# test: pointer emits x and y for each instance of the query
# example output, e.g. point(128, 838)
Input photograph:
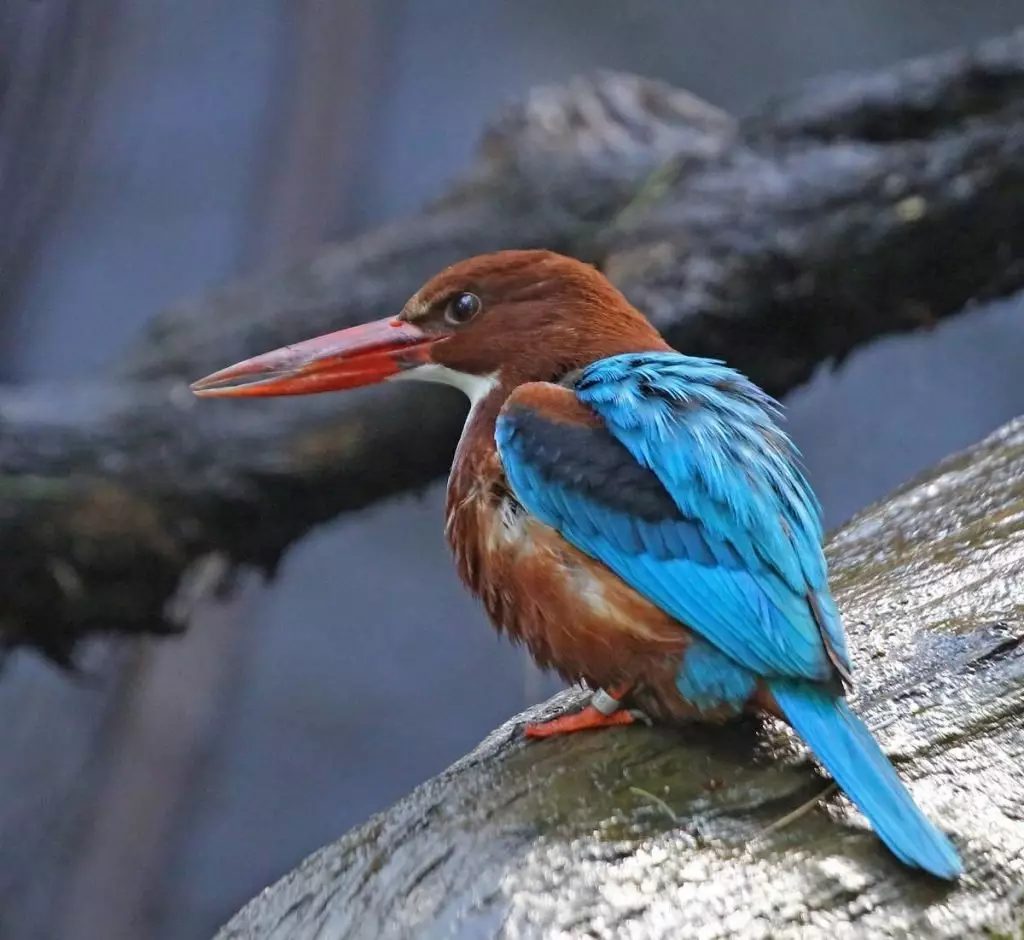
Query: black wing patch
point(591, 462)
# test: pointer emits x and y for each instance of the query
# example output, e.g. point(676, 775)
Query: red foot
point(589, 718)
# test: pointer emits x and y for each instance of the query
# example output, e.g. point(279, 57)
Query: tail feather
point(841, 741)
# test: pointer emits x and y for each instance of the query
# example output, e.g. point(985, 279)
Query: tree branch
point(863, 207)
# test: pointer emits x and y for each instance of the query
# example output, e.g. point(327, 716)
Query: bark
point(666, 833)
point(864, 206)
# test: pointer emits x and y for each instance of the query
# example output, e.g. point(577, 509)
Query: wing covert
point(618, 467)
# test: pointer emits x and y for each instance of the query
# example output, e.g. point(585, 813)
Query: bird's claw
point(604, 711)
point(586, 720)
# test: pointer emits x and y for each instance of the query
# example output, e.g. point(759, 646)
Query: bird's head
point(503, 318)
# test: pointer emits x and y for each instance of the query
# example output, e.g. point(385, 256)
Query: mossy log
point(697, 832)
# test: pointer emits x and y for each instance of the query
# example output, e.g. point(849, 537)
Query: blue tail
point(841, 741)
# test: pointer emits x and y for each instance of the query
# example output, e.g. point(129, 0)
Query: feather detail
point(570, 610)
point(844, 745)
point(652, 489)
point(712, 438)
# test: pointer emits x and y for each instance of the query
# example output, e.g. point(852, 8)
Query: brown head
point(504, 318)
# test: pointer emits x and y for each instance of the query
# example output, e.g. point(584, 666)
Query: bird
point(633, 515)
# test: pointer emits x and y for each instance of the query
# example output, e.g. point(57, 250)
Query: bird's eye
point(462, 308)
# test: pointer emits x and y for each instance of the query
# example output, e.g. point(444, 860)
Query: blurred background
point(150, 149)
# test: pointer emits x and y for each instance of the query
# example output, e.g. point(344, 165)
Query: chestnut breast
point(571, 611)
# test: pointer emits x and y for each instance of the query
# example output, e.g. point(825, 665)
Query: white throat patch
point(474, 387)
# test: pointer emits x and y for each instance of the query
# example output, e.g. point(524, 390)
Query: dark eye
point(462, 308)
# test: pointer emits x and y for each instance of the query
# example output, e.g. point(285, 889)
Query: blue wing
point(672, 471)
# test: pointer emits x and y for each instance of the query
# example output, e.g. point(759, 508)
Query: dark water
point(367, 668)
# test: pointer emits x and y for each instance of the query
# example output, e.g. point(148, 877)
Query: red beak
point(362, 355)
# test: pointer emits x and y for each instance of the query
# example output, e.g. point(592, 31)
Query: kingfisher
point(634, 516)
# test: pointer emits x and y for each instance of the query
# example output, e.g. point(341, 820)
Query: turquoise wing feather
point(687, 490)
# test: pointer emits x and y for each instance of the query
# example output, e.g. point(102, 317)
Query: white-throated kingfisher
point(633, 515)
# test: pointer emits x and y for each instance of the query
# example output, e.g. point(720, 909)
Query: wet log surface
point(667, 833)
point(779, 243)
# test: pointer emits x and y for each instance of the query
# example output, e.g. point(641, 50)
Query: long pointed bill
point(362, 355)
